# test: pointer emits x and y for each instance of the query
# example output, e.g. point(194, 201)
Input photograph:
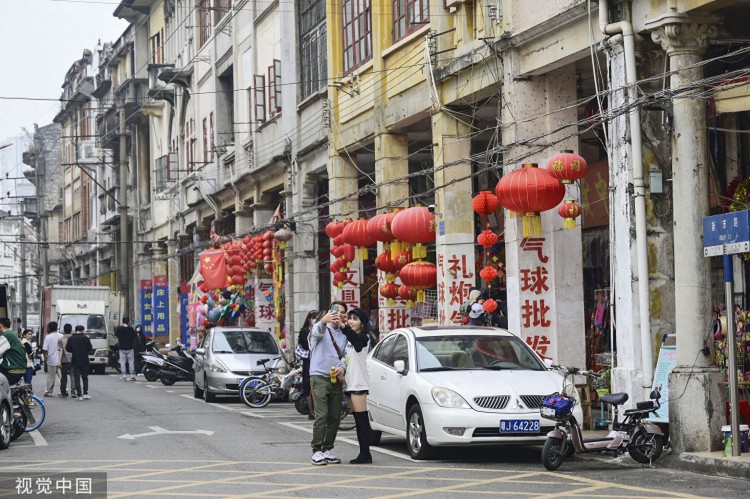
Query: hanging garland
point(739, 193)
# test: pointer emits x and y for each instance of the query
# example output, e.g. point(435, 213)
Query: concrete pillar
point(696, 402)
point(343, 184)
point(243, 220)
point(544, 274)
point(302, 255)
point(173, 273)
point(454, 217)
point(391, 170)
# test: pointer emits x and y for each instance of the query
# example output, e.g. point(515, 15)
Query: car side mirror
point(400, 367)
point(200, 351)
point(548, 363)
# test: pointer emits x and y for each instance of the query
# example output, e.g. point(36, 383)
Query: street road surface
point(183, 447)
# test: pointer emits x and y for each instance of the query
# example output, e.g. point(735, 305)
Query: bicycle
point(257, 391)
point(28, 410)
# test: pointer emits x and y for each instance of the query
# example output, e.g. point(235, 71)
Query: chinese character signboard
point(536, 296)
point(349, 292)
point(184, 326)
point(391, 317)
point(161, 305)
point(456, 276)
point(146, 307)
point(264, 312)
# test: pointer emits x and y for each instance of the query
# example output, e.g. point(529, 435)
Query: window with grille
point(409, 16)
point(221, 9)
point(313, 56)
point(357, 19)
point(204, 21)
point(161, 173)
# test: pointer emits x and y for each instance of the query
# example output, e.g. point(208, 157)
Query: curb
point(707, 465)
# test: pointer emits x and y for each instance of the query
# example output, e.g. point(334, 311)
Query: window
point(384, 351)
point(274, 88)
point(161, 173)
point(357, 33)
point(409, 16)
point(157, 49)
point(204, 21)
point(211, 135)
point(260, 98)
point(190, 139)
point(312, 46)
point(205, 141)
point(221, 8)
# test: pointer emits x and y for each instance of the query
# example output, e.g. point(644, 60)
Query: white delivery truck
point(87, 306)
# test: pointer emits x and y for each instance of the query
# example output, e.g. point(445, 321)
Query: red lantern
point(403, 258)
point(487, 238)
point(530, 190)
point(379, 228)
point(419, 275)
point(356, 233)
point(334, 229)
point(567, 167)
point(485, 203)
point(385, 263)
point(408, 294)
point(238, 279)
point(339, 240)
point(389, 290)
point(569, 210)
point(489, 305)
point(416, 226)
point(347, 252)
point(489, 274)
point(283, 235)
point(339, 278)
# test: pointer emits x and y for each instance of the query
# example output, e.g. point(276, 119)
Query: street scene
point(370, 247)
point(131, 433)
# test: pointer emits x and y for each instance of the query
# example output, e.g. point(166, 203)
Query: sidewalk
point(711, 463)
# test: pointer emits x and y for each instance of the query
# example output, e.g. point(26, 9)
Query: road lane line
point(38, 439)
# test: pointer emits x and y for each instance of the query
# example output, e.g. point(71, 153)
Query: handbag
point(302, 352)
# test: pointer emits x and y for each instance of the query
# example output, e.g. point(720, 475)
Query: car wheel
point(5, 421)
point(416, 435)
point(375, 436)
point(197, 392)
point(207, 395)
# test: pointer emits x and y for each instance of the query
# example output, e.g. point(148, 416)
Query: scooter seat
point(614, 398)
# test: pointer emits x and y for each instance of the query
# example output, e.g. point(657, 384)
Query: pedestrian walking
point(140, 347)
point(126, 338)
point(26, 337)
point(303, 351)
point(79, 346)
point(51, 349)
point(12, 352)
point(66, 370)
point(327, 370)
point(361, 339)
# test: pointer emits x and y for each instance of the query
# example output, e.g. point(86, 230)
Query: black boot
point(363, 437)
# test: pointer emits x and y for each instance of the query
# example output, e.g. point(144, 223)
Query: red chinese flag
point(214, 268)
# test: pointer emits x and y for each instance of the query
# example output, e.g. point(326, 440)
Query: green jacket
point(14, 356)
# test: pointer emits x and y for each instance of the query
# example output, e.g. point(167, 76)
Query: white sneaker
point(318, 459)
point(79, 398)
point(330, 457)
point(87, 396)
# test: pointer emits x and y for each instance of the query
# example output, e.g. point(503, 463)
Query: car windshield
point(469, 351)
point(244, 342)
point(94, 324)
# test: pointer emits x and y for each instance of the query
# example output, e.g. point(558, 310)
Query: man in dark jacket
point(127, 340)
point(80, 345)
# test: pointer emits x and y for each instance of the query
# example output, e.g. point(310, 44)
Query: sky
point(39, 41)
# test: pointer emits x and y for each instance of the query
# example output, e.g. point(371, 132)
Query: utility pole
point(124, 269)
point(22, 238)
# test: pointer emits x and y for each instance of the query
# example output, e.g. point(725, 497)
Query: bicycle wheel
point(255, 393)
point(347, 420)
point(38, 411)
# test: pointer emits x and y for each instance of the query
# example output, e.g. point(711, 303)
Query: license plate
point(548, 411)
point(519, 426)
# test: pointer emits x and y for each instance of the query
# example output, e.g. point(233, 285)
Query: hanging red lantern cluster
point(342, 251)
point(415, 226)
point(530, 191)
point(419, 276)
point(356, 234)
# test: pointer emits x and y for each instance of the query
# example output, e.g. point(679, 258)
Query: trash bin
point(744, 435)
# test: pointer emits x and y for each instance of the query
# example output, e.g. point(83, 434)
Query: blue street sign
point(726, 234)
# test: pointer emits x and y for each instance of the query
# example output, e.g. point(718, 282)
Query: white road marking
point(38, 439)
point(157, 430)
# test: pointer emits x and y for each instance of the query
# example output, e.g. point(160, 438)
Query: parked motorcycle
point(152, 362)
point(178, 366)
point(637, 436)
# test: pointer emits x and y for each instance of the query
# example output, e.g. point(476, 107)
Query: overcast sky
point(39, 41)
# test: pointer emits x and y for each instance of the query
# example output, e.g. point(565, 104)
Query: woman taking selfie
point(361, 339)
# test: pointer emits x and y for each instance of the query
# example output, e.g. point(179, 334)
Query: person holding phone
point(327, 369)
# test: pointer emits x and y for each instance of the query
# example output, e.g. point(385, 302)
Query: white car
point(458, 385)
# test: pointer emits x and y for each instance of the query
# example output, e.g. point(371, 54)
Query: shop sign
point(161, 305)
point(456, 277)
point(265, 318)
point(349, 293)
point(146, 307)
point(536, 296)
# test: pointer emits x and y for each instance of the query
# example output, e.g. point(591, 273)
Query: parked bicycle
point(637, 436)
point(258, 391)
point(28, 410)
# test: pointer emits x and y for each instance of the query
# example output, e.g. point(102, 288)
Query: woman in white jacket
point(360, 340)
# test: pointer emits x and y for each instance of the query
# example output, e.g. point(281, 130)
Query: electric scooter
point(637, 436)
point(152, 362)
point(177, 367)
